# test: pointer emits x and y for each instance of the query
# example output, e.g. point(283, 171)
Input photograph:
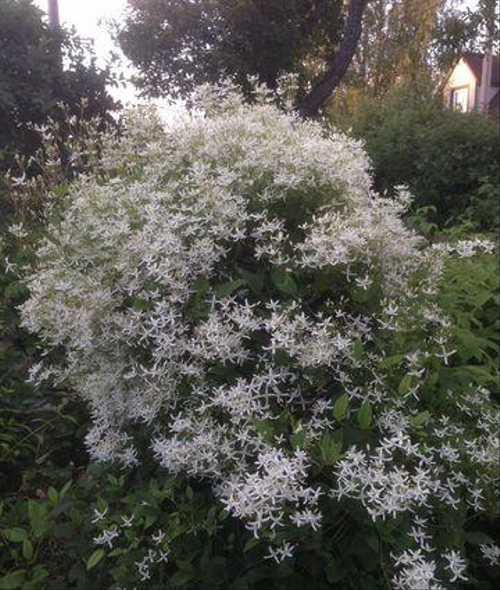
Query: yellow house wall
point(462, 76)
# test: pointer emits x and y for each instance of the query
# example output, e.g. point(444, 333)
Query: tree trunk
point(55, 27)
point(53, 12)
point(323, 89)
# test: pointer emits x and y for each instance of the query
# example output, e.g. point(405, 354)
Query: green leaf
point(27, 549)
point(117, 552)
point(298, 439)
point(266, 429)
point(140, 304)
point(181, 578)
point(284, 282)
point(392, 361)
point(76, 572)
point(365, 416)
point(150, 519)
point(16, 534)
point(13, 580)
point(65, 489)
point(330, 449)
point(228, 288)
point(333, 572)
point(358, 350)
point(405, 385)
point(421, 420)
point(254, 280)
point(341, 407)
point(95, 558)
point(250, 544)
point(38, 516)
point(201, 288)
point(223, 514)
point(53, 495)
point(477, 538)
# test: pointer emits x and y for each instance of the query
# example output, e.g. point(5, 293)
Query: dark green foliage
point(33, 82)
point(471, 297)
point(47, 540)
point(448, 159)
point(178, 44)
point(41, 448)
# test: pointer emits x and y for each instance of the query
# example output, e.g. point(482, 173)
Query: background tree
point(396, 43)
point(178, 44)
point(53, 13)
point(338, 63)
point(489, 14)
point(32, 82)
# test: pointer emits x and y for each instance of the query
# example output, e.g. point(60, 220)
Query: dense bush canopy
point(230, 296)
point(446, 158)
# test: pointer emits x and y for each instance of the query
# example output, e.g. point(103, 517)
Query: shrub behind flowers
point(447, 158)
point(234, 300)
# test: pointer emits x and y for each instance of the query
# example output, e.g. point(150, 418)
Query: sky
point(89, 17)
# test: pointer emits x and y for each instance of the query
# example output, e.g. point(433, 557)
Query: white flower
point(158, 537)
point(307, 518)
point(456, 565)
point(107, 537)
point(144, 568)
point(415, 572)
point(99, 515)
point(162, 556)
point(127, 522)
point(491, 553)
point(280, 553)
point(18, 231)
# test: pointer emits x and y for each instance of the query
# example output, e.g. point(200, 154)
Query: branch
point(322, 90)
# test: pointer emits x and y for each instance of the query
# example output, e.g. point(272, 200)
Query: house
point(474, 84)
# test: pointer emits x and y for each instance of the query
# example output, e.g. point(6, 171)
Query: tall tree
point(489, 15)
point(178, 44)
point(338, 64)
point(396, 44)
point(33, 81)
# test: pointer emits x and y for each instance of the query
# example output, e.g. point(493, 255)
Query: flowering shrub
point(231, 296)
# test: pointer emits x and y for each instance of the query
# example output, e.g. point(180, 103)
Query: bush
point(235, 305)
point(447, 158)
point(41, 428)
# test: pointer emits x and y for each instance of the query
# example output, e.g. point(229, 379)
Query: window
point(460, 99)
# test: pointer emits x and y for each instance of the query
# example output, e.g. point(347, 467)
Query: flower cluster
point(227, 284)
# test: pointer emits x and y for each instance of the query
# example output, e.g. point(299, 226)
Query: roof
point(475, 63)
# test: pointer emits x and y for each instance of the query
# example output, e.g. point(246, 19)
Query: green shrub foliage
point(447, 158)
